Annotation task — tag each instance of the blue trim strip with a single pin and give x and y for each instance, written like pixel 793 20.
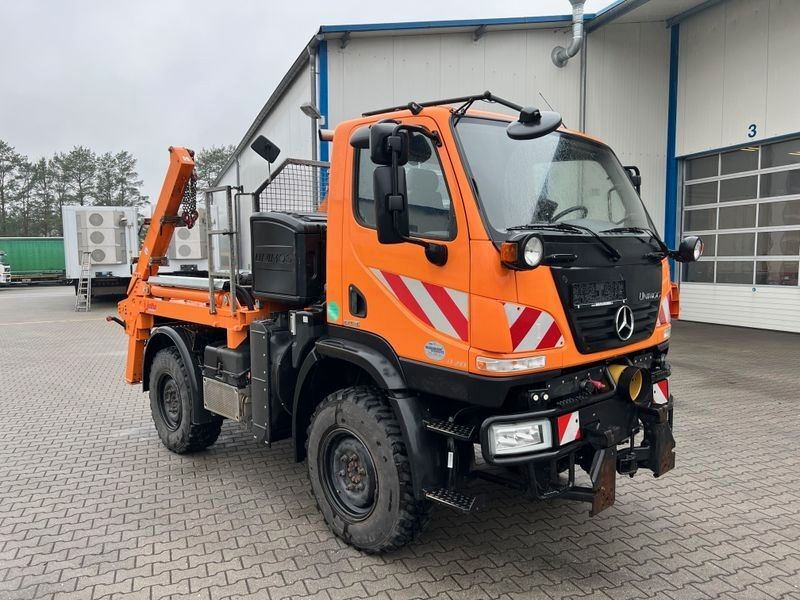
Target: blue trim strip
pixel 671 200
pixel 322 53
pixel 443 24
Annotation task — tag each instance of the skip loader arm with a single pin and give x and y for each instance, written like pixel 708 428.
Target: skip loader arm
pixel 147 300
pixel 137 322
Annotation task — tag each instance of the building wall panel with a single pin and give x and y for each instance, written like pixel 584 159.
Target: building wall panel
pixel 737 70
pixel 373 72
pixel 700 81
pixel 744 86
pixel 627 79
pixel 782 115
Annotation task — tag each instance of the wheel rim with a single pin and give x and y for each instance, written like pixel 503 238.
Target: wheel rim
pixel 169 403
pixel 348 474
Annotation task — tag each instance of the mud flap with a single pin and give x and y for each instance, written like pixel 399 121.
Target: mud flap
pixel 604 479
pixel 662 448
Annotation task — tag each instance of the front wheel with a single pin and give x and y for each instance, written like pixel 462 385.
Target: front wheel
pixel 360 472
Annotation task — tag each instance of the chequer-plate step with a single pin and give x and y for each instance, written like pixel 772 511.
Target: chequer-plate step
pixel 448 428
pixel 453 499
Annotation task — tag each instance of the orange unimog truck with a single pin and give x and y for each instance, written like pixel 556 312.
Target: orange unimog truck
pixel 459 295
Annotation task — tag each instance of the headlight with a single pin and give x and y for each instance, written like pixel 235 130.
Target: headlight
pixel 510 365
pixel 524 251
pixel 698 249
pixel 533 251
pixel 516 438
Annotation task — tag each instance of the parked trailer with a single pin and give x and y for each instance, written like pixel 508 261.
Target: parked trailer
pixel 32 259
pixel 5 270
pixel 111 235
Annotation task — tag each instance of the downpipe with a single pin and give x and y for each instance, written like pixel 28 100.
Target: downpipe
pixel 561 55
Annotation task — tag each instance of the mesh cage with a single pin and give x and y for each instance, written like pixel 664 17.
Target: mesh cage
pixel 295 186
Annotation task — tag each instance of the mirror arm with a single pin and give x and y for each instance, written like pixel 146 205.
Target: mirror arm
pixel 435 253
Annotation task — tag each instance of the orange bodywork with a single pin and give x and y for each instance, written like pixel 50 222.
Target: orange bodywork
pixel 474 295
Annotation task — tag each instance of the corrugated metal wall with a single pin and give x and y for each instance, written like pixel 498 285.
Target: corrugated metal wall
pixel 627 78
pixel 738 69
pixel 374 72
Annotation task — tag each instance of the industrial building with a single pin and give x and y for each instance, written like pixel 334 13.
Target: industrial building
pixel 700 94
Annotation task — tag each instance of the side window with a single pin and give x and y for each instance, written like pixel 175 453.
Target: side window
pixel 430 210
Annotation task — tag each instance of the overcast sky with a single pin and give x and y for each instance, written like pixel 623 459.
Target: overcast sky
pixel 146 74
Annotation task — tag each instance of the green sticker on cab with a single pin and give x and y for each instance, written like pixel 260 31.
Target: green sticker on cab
pixel 333 311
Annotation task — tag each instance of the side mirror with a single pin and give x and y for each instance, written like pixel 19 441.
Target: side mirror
pixel 533 123
pixel 265 149
pixel 635 176
pixel 391 206
pixel 389 148
pixel 690 250
pixel 386 146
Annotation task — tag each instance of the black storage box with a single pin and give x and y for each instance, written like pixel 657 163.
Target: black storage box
pixel 288 256
pixel 228 365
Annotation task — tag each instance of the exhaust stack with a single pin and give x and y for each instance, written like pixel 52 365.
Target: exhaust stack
pixel 561 55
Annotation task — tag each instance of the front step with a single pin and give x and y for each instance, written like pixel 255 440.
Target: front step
pixel 454 430
pixel 453 499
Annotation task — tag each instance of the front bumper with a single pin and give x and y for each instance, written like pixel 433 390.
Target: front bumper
pixel 595 444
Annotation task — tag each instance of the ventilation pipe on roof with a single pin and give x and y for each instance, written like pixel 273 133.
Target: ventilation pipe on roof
pixel 561 55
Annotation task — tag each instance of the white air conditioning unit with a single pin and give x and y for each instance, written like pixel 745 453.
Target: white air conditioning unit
pixel 190 244
pixel 102 233
pixel 100 218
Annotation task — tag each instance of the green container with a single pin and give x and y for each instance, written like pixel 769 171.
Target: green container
pixel 32 256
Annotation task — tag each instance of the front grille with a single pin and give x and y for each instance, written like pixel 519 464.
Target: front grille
pixel 595 330
pixel 593 327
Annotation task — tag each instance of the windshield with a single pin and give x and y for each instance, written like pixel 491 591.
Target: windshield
pixel 558 178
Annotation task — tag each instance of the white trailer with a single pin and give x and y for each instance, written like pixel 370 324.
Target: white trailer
pixel 111 235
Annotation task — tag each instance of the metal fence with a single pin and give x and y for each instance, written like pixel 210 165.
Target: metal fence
pixel 295 186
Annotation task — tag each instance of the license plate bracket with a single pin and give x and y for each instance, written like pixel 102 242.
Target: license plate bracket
pixel 597 293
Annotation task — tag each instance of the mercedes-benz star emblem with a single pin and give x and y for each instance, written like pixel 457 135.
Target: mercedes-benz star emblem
pixel 624 322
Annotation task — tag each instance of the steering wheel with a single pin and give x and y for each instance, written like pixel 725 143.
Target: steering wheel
pixel 569 210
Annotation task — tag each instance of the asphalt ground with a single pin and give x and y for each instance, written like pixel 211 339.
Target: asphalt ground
pixel 93 506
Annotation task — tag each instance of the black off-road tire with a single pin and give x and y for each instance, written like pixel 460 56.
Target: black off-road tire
pixel 394 518
pixel 169 378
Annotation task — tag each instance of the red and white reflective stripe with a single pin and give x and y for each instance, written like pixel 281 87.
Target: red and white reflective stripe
pixel 661 392
pixel 664 316
pixel 532 329
pixel 444 309
pixel 569 428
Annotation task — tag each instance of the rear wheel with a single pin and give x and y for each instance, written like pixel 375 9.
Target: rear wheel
pixel 360 472
pixel 171 405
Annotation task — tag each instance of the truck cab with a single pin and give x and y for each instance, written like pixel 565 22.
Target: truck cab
pixel 477 296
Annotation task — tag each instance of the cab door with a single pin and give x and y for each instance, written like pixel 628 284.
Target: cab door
pixel 392 290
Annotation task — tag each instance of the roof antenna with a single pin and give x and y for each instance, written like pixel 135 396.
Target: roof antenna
pixel 550 107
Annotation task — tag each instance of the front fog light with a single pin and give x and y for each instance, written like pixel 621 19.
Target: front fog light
pixel 510 365
pixel 515 438
pixel 667 332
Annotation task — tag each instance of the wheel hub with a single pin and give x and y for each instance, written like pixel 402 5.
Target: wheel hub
pixel 349 474
pixel 170 403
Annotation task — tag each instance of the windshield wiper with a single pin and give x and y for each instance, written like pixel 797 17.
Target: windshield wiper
pixel 661 245
pixel 612 252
